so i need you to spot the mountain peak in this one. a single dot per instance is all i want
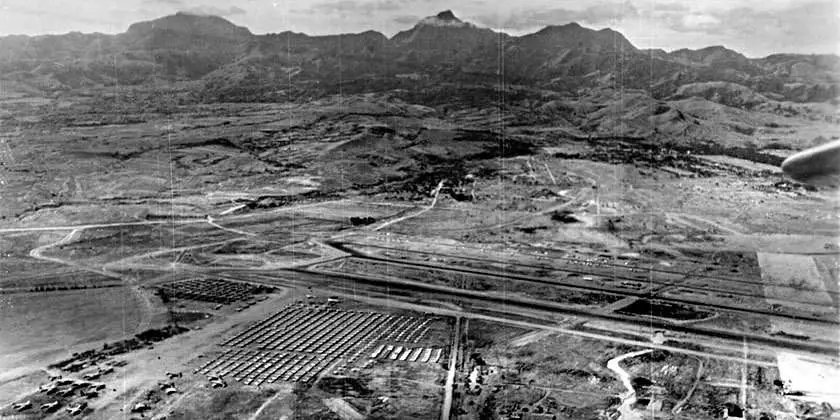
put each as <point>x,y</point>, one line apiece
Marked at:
<point>445,19</point>
<point>447,15</point>
<point>574,36</point>
<point>568,27</point>
<point>191,23</point>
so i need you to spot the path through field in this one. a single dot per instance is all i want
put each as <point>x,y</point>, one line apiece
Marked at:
<point>411,215</point>
<point>629,397</point>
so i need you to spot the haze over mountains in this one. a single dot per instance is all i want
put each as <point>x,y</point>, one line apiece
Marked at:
<point>231,63</point>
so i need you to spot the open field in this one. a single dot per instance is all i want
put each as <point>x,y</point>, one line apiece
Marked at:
<point>35,328</point>
<point>560,252</point>
<point>222,404</point>
<point>786,275</point>
<point>61,279</point>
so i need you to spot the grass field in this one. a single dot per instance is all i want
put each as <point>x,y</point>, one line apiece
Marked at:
<point>801,275</point>
<point>34,326</point>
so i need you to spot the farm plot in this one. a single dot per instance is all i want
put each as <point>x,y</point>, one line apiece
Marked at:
<point>210,290</point>
<point>302,341</point>
<point>795,282</point>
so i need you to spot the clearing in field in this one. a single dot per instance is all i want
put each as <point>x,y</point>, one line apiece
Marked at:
<point>48,325</point>
<point>791,277</point>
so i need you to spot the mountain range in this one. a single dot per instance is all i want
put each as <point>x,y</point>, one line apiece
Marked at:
<point>228,62</point>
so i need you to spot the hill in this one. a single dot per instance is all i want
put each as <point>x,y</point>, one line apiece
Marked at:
<point>232,64</point>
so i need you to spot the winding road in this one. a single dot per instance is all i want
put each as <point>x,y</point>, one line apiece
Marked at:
<point>213,223</point>
<point>628,398</point>
<point>75,234</point>
<point>100,225</point>
<point>142,297</point>
<point>698,377</point>
<point>38,252</point>
<point>412,215</point>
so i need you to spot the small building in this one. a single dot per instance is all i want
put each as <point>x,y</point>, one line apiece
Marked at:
<point>22,406</point>
<point>91,376</point>
<point>50,406</point>
<point>139,407</point>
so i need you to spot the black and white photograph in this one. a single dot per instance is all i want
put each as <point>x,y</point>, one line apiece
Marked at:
<point>420,209</point>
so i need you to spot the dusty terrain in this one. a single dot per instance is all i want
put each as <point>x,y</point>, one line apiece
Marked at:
<point>448,250</point>
<point>602,241</point>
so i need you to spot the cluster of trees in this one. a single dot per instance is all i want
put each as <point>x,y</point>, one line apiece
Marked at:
<point>361,221</point>
<point>76,286</point>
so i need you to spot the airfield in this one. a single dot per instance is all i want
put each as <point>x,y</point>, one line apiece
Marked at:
<point>586,278</point>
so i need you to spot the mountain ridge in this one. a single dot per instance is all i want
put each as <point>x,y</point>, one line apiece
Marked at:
<point>191,47</point>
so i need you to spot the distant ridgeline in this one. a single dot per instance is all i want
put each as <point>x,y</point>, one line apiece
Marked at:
<point>234,64</point>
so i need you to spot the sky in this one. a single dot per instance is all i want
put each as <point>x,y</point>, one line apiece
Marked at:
<point>755,28</point>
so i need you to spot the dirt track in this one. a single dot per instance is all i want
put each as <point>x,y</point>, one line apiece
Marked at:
<point>629,397</point>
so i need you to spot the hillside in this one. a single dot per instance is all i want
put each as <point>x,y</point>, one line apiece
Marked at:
<point>584,81</point>
<point>438,48</point>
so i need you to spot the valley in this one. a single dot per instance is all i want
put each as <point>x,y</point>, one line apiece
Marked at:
<point>545,244</point>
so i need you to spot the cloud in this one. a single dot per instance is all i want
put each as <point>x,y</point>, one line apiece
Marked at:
<point>804,23</point>
<point>164,2</point>
<point>406,19</point>
<point>669,7</point>
<point>755,30</point>
<point>606,12</point>
<point>53,13</point>
<point>700,21</point>
<point>215,11</point>
<point>357,7</point>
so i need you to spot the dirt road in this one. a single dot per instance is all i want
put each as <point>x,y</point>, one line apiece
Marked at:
<point>697,378</point>
<point>450,376</point>
<point>99,225</point>
<point>38,253</point>
<point>234,231</point>
<point>411,215</point>
<point>629,397</point>
<point>146,307</point>
<point>342,409</point>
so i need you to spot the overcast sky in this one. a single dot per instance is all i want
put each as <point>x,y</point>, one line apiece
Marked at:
<point>753,27</point>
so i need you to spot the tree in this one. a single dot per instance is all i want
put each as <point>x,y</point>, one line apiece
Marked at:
<point>164,296</point>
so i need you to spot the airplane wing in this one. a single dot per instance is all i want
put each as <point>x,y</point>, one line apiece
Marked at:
<point>818,166</point>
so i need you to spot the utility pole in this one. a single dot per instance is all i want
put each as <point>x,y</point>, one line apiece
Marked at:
<point>597,201</point>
